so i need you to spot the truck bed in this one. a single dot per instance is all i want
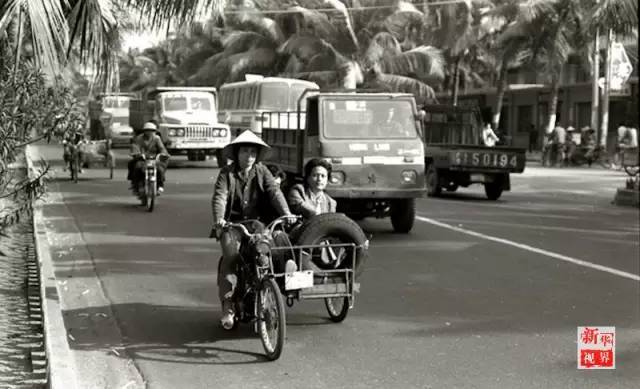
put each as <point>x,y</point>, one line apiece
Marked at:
<point>476,157</point>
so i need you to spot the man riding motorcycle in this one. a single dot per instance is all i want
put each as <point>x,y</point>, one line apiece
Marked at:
<point>243,190</point>
<point>147,144</point>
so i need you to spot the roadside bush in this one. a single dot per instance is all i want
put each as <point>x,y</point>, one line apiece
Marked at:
<point>31,109</point>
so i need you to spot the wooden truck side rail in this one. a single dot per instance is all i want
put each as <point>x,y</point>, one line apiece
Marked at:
<point>284,132</point>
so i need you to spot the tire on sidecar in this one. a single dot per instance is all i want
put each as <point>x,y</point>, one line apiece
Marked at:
<point>335,226</point>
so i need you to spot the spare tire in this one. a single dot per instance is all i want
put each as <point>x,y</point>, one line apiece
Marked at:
<point>335,228</point>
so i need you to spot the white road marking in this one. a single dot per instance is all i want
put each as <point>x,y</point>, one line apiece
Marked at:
<point>561,257</point>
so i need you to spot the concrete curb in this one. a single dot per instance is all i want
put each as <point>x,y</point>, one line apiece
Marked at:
<point>60,371</point>
<point>627,197</point>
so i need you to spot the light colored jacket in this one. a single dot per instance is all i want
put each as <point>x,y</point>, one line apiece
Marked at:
<point>152,146</point>
<point>301,203</point>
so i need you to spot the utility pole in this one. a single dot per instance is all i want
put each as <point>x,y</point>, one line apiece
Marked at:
<point>604,125</point>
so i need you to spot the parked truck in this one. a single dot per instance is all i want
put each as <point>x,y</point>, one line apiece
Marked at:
<point>186,118</point>
<point>109,118</point>
<point>372,141</point>
<point>456,156</point>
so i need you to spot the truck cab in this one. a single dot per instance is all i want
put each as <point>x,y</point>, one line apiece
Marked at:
<point>186,118</point>
<point>372,141</point>
<point>456,156</point>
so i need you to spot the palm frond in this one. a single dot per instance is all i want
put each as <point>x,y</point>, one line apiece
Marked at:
<point>422,61</point>
<point>619,15</point>
<point>311,20</point>
<point>306,47</point>
<point>405,16</point>
<point>240,41</point>
<point>49,30</point>
<point>247,21</point>
<point>180,12</point>
<point>403,84</point>
<point>382,44</point>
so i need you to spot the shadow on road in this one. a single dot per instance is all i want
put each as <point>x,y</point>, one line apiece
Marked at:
<point>186,335</point>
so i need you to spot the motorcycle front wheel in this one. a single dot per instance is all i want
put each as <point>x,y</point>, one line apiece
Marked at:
<point>271,318</point>
<point>151,195</point>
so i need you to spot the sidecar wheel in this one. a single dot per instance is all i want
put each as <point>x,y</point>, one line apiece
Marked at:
<point>337,312</point>
<point>335,228</point>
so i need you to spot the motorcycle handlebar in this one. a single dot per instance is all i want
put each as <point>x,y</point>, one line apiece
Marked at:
<point>270,227</point>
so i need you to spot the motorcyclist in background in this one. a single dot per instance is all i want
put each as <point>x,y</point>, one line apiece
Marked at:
<point>149,145</point>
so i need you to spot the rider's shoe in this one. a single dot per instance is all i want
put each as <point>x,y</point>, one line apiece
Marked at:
<point>290,266</point>
<point>160,190</point>
<point>227,320</point>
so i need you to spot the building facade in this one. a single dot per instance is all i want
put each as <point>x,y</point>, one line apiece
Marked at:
<point>525,110</point>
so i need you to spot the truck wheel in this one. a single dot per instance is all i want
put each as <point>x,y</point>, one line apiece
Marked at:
<point>334,228</point>
<point>403,214</point>
<point>191,156</point>
<point>220,159</point>
<point>493,190</point>
<point>433,182</point>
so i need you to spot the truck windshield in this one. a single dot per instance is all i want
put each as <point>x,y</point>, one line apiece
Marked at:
<point>351,119</point>
<point>175,103</point>
<point>200,104</point>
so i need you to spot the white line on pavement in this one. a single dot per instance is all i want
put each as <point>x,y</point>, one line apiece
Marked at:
<point>561,257</point>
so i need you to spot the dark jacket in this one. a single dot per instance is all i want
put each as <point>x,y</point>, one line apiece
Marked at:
<point>301,204</point>
<point>262,192</point>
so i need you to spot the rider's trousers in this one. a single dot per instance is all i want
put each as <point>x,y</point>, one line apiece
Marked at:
<point>227,278</point>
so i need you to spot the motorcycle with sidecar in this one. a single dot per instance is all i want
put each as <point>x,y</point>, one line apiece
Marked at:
<point>329,250</point>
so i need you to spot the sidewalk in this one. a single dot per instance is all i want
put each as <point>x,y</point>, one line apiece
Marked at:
<point>74,327</point>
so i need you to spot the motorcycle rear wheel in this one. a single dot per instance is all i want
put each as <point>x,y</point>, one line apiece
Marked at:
<point>271,318</point>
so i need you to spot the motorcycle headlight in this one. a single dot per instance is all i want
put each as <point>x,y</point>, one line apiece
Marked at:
<point>409,176</point>
<point>172,132</point>
<point>263,247</point>
<point>337,178</point>
<point>180,132</point>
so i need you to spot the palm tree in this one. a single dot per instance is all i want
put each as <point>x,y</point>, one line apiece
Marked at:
<point>91,26</point>
<point>387,53</point>
<point>509,39</point>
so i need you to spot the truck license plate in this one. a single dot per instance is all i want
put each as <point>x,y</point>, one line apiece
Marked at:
<point>485,159</point>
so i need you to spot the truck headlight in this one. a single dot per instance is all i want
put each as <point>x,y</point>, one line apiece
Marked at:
<point>172,132</point>
<point>223,132</point>
<point>337,178</point>
<point>409,176</point>
<point>180,132</point>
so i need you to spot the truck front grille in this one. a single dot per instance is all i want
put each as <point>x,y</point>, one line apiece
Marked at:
<point>199,132</point>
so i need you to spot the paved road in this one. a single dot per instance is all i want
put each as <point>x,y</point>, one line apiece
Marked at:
<point>480,294</point>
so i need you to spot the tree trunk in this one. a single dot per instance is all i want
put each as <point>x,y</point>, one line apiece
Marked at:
<point>604,125</point>
<point>502,88</point>
<point>595,90</point>
<point>456,80</point>
<point>553,103</point>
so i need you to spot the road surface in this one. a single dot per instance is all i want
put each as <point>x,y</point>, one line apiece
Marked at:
<point>480,294</point>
